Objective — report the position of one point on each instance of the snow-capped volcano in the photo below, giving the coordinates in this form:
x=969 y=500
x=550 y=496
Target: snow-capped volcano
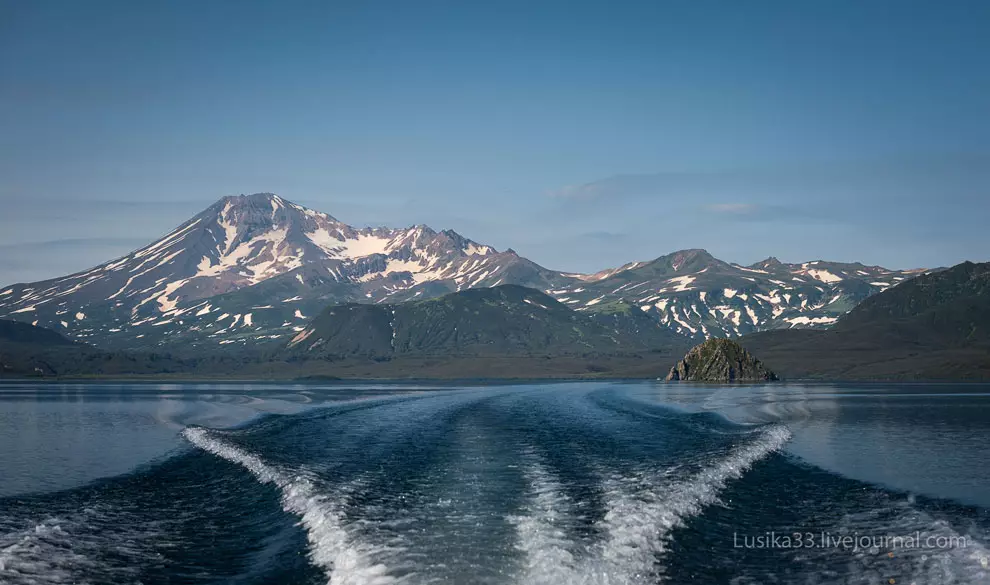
x=257 y=267
x=269 y=245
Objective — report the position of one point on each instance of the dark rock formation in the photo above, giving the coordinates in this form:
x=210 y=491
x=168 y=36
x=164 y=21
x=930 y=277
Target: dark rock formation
x=720 y=360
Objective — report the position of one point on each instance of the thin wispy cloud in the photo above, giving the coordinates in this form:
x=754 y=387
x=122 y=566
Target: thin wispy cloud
x=859 y=182
x=638 y=185
x=732 y=208
x=32 y=261
x=605 y=236
x=72 y=243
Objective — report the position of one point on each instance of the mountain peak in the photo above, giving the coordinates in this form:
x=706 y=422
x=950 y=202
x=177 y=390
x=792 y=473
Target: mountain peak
x=693 y=253
x=260 y=196
x=771 y=262
x=265 y=202
x=253 y=199
x=302 y=256
x=690 y=260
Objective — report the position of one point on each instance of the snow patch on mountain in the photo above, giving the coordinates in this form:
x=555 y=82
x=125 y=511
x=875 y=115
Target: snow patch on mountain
x=811 y=320
x=824 y=276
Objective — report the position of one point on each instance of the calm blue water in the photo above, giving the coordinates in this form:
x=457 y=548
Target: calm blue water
x=596 y=483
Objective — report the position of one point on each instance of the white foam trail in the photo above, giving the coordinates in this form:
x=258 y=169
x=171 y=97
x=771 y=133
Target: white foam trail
x=642 y=511
x=541 y=538
x=344 y=559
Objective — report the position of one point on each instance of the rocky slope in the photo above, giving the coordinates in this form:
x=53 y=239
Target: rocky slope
x=951 y=304
x=26 y=350
x=936 y=326
x=720 y=360
x=17 y=332
x=503 y=320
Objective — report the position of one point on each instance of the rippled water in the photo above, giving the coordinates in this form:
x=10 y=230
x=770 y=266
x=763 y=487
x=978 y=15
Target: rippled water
x=596 y=483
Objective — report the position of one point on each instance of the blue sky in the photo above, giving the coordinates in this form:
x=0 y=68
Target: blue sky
x=581 y=134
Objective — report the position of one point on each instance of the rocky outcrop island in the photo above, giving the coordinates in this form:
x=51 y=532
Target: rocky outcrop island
x=720 y=360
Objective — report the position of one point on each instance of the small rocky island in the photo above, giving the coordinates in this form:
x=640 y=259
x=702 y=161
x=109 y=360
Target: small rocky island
x=720 y=360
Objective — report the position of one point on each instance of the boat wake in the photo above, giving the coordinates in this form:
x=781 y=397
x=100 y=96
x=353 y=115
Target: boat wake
x=642 y=510
x=548 y=553
x=342 y=555
x=582 y=485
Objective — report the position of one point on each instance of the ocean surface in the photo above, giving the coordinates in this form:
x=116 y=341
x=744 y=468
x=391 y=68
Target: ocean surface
x=566 y=483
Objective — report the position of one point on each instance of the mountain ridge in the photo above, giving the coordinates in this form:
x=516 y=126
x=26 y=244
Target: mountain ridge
x=505 y=319
x=697 y=295
x=253 y=269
